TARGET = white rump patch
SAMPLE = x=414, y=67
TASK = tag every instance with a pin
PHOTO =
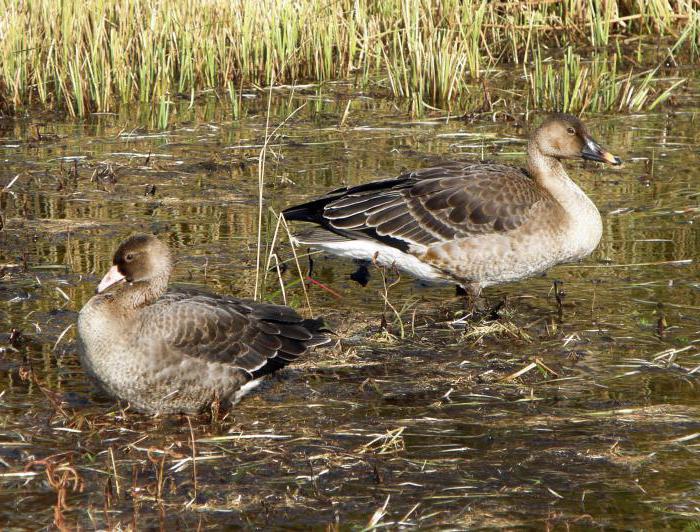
x=386, y=256
x=244, y=390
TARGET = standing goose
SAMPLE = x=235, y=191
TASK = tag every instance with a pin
x=476, y=224
x=178, y=351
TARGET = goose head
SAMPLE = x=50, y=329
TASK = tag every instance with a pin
x=139, y=259
x=563, y=136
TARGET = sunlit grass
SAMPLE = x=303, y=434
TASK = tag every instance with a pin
x=575, y=85
x=88, y=56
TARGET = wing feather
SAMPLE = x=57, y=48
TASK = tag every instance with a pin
x=453, y=200
x=258, y=338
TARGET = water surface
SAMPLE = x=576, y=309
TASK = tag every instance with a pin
x=430, y=430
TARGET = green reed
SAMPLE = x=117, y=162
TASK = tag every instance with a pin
x=90, y=55
x=577, y=85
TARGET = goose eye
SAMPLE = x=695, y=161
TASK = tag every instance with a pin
x=571, y=131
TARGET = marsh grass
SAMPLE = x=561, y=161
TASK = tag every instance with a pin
x=577, y=85
x=82, y=57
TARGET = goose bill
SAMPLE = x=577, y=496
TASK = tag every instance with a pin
x=112, y=277
x=593, y=151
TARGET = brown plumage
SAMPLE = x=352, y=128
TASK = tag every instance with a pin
x=475, y=224
x=177, y=351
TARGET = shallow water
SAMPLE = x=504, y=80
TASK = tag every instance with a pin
x=430, y=430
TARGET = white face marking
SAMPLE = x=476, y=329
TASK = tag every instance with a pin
x=112, y=277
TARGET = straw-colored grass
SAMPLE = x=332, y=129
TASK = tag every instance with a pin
x=90, y=55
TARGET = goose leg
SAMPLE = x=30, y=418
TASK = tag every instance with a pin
x=471, y=292
x=361, y=275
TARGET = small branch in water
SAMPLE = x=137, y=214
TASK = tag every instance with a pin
x=681, y=262
x=60, y=337
x=559, y=294
x=661, y=323
x=324, y=287
x=114, y=471
x=520, y=372
x=12, y=182
x=194, y=457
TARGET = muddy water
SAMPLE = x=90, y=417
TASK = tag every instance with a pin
x=445, y=427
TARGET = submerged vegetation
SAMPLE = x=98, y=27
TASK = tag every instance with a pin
x=84, y=57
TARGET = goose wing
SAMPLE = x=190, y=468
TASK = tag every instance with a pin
x=427, y=206
x=258, y=338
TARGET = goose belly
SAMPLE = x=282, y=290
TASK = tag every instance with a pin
x=108, y=358
x=494, y=259
x=101, y=354
x=142, y=372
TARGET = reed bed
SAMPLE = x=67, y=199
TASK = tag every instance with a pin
x=577, y=85
x=90, y=56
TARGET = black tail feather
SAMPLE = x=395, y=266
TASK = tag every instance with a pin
x=312, y=211
x=319, y=336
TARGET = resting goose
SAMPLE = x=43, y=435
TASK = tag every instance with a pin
x=178, y=351
x=475, y=224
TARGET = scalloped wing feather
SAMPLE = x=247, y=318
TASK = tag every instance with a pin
x=432, y=205
x=257, y=338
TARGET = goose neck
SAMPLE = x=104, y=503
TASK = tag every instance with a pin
x=142, y=293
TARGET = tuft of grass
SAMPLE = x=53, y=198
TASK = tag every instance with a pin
x=479, y=331
x=430, y=55
x=391, y=442
x=576, y=85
